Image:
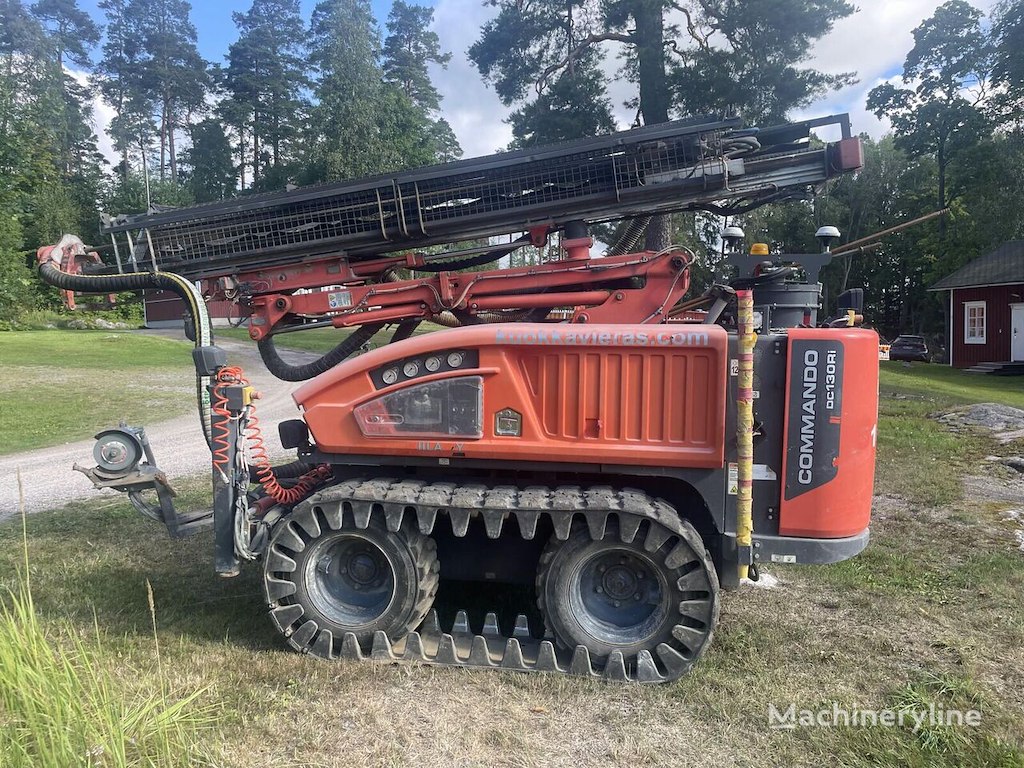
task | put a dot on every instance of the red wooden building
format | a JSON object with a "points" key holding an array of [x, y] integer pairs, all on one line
{"points": [[162, 309], [986, 310]]}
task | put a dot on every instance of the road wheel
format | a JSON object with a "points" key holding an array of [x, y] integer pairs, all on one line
{"points": [[348, 580], [658, 590]]}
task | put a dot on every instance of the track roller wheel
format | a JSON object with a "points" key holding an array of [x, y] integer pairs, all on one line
{"points": [[654, 598], [325, 578]]}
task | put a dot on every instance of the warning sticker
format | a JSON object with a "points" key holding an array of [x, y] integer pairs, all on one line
{"points": [[339, 299], [761, 472]]}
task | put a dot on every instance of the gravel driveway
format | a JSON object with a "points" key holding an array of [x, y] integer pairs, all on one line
{"points": [[178, 444]]}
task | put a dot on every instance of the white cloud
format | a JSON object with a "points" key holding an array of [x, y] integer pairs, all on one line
{"points": [[473, 109], [873, 43], [101, 117]]}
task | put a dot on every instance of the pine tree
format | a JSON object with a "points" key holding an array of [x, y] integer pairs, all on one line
{"points": [[119, 77], [210, 169], [173, 75], [48, 172], [445, 143], [749, 57], [345, 139], [69, 32], [555, 115], [71, 29], [529, 46], [1008, 63], [265, 78], [410, 48], [942, 115]]}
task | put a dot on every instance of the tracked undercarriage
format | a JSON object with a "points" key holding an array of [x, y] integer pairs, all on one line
{"points": [[626, 537]]}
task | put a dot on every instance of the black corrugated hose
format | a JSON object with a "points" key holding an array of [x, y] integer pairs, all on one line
{"points": [[137, 281], [288, 372], [201, 326]]}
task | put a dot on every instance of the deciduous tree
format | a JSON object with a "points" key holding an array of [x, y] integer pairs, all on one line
{"points": [[940, 112]]}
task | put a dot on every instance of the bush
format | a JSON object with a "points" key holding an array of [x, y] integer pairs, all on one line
{"points": [[20, 289]]}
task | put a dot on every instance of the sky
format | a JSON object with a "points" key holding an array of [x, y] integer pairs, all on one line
{"points": [[873, 42]]}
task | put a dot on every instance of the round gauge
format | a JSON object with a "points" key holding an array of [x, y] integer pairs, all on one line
{"points": [[390, 376], [432, 363], [411, 368], [455, 359]]}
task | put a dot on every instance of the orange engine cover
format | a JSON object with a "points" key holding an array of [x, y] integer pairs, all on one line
{"points": [[646, 394], [831, 420]]}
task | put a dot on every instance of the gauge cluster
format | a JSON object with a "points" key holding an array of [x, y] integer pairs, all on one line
{"points": [[424, 365]]}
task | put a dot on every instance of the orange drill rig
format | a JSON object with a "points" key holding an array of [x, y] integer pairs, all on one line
{"points": [[583, 429]]}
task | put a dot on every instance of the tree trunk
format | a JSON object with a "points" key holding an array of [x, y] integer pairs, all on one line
{"points": [[942, 162], [8, 104], [170, 144], [163, 138], [654, 98], [255, 147], [277, 137], [241, 156]]}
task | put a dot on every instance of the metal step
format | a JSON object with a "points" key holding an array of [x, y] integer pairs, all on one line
{"points": [[1014, 368]]}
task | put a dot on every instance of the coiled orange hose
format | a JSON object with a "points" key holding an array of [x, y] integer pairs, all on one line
{"points": [[234, 376]]}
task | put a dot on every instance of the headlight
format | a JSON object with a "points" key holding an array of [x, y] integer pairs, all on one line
{"points": [[448, 408]]}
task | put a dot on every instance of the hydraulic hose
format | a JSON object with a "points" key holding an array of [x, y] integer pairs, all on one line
{"points": [[473, 261], [288, 372], [50, 272], [405, 330], [630, 237], [196, 316]]}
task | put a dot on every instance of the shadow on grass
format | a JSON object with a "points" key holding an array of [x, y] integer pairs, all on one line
{"points": [[90, 562]]}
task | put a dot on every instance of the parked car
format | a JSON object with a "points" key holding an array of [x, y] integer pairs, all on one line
{"points": [[909, 348]]}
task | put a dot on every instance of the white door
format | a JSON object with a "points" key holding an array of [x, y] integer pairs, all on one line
{"points": [[1017, 331]]}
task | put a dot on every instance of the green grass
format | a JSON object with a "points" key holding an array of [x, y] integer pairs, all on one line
{"points": [[66, 701], [61, 705], [929, 614], [323, 339], [60, 386], [930, 744], [918, 457], [951, 386], [931, 617]]}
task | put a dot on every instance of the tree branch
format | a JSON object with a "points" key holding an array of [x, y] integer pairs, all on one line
{"points": [[691, 29], [585, 43]]}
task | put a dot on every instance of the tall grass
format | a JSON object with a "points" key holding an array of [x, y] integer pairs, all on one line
{"points": [[60, 707]]}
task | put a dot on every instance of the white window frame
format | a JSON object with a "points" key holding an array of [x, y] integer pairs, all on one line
{"points": [[975, 339]]}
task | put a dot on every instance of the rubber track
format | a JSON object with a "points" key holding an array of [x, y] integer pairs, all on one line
{"points": [[636, 513]]}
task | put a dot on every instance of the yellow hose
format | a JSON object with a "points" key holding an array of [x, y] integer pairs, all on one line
{"points": [[745, 425]]}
